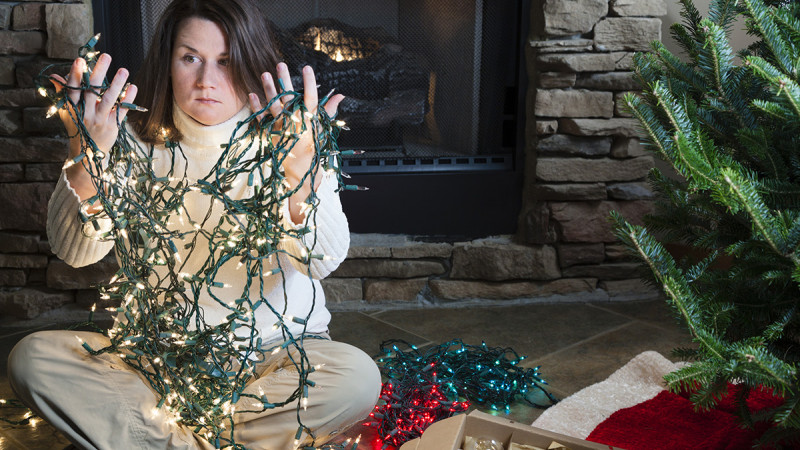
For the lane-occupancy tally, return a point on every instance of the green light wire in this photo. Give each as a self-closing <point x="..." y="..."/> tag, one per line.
<point x="199" y="371"/>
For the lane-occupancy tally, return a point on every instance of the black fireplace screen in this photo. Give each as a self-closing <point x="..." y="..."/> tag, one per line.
<point x="434" y="92"/>
<point x="430" y="84"/>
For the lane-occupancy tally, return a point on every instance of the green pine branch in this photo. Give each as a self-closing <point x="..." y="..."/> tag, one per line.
<point x="764" y="25"/>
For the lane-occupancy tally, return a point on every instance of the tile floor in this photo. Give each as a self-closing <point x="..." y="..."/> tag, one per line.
<point x="576" y="344"/>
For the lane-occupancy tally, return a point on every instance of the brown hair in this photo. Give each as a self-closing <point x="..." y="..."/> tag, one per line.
<point x="251" y="52"/>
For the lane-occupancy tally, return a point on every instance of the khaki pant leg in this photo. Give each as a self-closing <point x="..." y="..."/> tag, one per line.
<point x="345" y="391"/>
<point x="98" y="402"/>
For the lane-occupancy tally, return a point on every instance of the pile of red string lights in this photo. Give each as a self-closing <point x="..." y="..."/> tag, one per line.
<point x="425" y="387"/>
<point x="403" y="417"/>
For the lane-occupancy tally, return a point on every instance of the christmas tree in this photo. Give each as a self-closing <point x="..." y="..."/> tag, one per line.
<point x="729" y="124"/>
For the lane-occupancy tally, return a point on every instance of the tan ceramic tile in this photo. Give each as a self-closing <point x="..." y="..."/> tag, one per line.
<point x="366" y="332"/>
<point x="594" y="360"/>
<point x="656" y="312"/>
<point x="22" y="437"/>
<point x="26" y="437"/>
<point x="576" y="344"/>
<point x="531" y="330"/>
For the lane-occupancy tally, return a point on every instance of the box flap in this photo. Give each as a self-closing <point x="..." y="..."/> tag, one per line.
<point x="439" y="435"/>
<point x="543" y="438"/>
<point x="449" y="434"/>
<point x="410" y="445"/>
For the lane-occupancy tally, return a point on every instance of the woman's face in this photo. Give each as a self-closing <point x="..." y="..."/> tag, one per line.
<point x="201" y="82"/>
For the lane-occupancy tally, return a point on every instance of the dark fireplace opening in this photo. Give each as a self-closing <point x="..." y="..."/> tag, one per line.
<point x="386" y="86"/>
<point x="431" y="85"/>
<point x="434" y="92"/>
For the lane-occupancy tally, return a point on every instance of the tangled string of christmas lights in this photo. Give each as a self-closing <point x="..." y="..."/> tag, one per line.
<point x="199" y="370"/>
<point x="425" y="386"/>
<point x="28" y="417"/>
<point x="408" y="410"/>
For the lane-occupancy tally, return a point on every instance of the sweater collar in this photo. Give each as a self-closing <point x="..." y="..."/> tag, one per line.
<point x="198" y="135"/>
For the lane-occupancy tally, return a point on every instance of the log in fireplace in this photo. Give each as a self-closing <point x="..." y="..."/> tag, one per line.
<point x="435" y="99"/>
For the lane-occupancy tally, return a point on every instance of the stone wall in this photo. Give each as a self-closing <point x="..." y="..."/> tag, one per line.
<point x="32" y="148"/>
<point x="582" y="161"/>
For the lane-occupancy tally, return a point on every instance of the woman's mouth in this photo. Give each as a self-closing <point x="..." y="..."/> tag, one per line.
<point x="206" y="100"/>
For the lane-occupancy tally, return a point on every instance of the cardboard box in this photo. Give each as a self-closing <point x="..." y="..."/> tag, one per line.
<point x="448" y="434"/>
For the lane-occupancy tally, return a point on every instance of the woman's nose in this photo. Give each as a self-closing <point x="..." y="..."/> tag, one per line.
<point x="206" y="76"/>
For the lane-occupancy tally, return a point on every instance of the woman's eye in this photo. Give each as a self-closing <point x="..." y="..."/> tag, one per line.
<point x="190" y="58"/>
<point x="224" y="62"/>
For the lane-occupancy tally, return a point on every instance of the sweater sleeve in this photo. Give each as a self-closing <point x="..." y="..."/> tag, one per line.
<point x="70" y="239"/>
<point x="329" y="235"/>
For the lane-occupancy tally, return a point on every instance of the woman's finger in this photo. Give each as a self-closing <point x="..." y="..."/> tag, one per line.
<point x="72" y="80"/>
<point x="129" y="96"/>
<point x="270" y="91"/>
<point x="113" y="92"/>
<point x="332" y="105"/>
<point x="310" y="96"/>
<point x="255" y="104"/>
<point x="95" y="79"/>
<point x="58" y="81"/>
<point x="286" y="79"/>
<point x="66" y="113"/>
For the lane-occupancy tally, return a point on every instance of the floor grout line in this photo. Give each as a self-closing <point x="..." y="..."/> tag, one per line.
<point x="427" y="341"/>
<point x="616" y="313"/>
<point x="647" y="322"/>
<point x="7" y="440"/>
<point x="535" y="362"/>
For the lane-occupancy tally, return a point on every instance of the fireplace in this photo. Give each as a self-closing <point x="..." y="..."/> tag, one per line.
<point x="434" y="92"/>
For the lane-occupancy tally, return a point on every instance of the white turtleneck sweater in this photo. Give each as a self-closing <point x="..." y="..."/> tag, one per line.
<point x="296" y="294"/>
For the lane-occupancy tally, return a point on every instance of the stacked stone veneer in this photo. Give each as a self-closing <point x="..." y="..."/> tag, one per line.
<point x="32" y="148"/>
<point x="582" y="160"/>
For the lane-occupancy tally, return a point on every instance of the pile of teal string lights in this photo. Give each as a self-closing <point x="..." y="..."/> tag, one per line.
<point x="199" y="370"/>
<point x="425" y="386"/>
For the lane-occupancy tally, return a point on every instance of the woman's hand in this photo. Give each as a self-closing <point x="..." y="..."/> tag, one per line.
<point x="300" y="159"/>
<point x="99" y="116"/>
